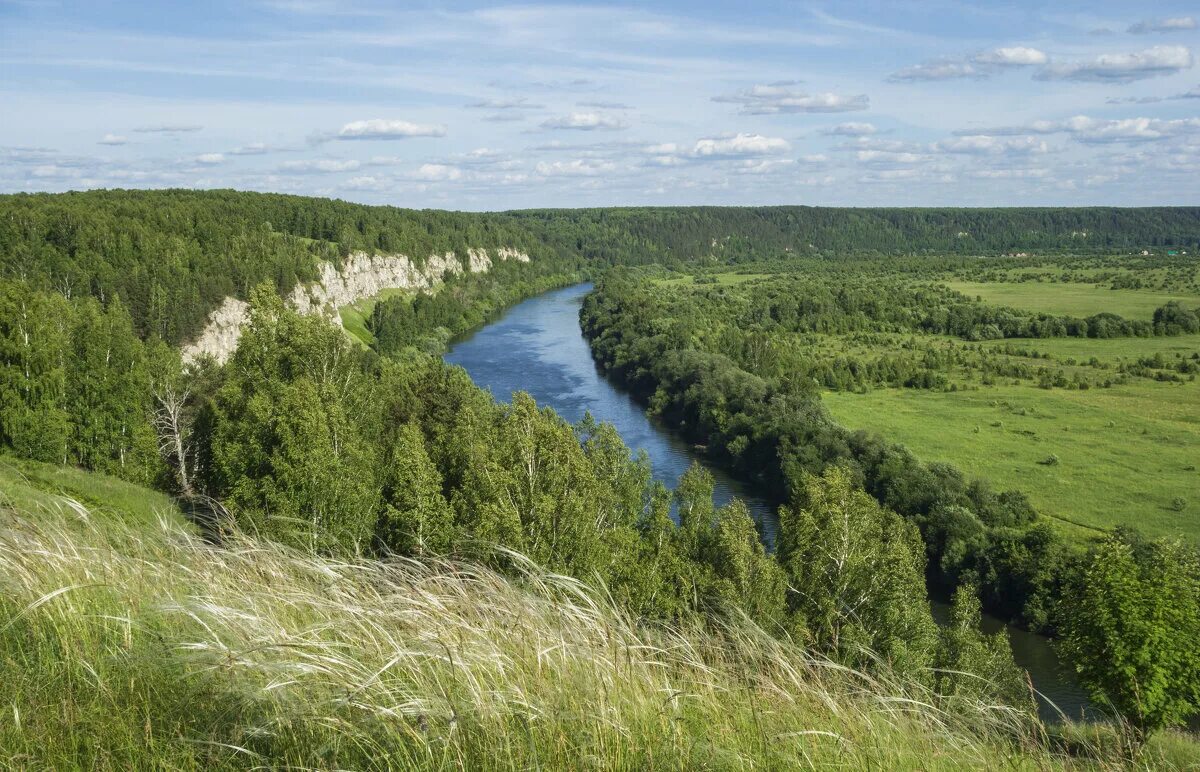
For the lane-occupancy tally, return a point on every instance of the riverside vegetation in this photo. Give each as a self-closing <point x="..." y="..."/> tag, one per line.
<point x="372" y="526"/>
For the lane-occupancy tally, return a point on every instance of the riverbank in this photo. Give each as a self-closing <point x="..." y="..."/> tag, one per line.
<point x="537" y="346"/>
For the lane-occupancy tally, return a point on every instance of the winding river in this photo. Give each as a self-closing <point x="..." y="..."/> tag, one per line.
<point x="537" y="347"/>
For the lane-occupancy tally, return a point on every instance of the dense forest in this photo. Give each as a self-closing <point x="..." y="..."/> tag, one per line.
<point x="172" y="255"/>
<point x="310" y="440"/>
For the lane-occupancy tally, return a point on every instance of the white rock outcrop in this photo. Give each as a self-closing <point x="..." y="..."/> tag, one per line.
<point x="361" y="276"/>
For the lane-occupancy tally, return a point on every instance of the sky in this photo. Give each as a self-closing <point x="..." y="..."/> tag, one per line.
<point x="485" y="107"/>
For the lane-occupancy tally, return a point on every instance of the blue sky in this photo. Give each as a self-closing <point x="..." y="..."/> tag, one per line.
<point x="470" y="106"/>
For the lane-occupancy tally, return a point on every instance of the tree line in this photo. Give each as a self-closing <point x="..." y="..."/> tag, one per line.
<point x="775" y="432"/>
<point x="173" y="255"/>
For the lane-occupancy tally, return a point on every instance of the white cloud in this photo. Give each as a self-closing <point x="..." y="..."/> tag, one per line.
<point x="946" y="70"/>
<point x="578" y="167"/>
<point x="1130" y="129"/>
<point x="1191" y="94"/>
<point x="1016" y="56"/>
<point x="1122" y="68"/>
<point x="776" y="98"/>
<point x="210" y="159"/>
<point x="368" y="183"/>
<point x="380" y="128"/>
<point x="1009" y="174"/>
<point x="585" y="121"/>
<point x="983" y="144"/>
<point x="438" y="173"/>
<point x="739" y="146"/>
<point x="113" y="139"/>
<point x="320" y="166"/>
<point x="763" y="166"/>
<point x="888" y="158"/>
<point x="852" y="129"/>
<point x="1176" y="24"/>
<point x="1096" y="130"/>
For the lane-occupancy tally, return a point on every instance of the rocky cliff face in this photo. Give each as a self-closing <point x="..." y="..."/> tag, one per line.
<point x="360" y="276"/>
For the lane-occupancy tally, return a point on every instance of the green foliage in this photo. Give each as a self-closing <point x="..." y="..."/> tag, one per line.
<point x="857" y="573"/>
<point x="74" y="384"/>
<point x="974" y="665"/>
<point x="416" y="518"/>
<point x="289" y="450"/>
<point x="1130" y="622"/>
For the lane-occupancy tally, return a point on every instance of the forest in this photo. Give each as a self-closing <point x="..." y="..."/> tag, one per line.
<point x="730" y="324"/>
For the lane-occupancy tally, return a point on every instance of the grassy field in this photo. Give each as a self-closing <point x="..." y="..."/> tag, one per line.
<point x="726" y="279"/>
<point x="1071" y="299"/>
<point x="136" y="645"/>
<point x="1124" y="454"/>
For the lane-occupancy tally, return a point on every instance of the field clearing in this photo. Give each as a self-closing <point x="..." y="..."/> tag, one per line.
<point x="354" y="316"/>
<point x="1072" y="299"/>
<point x="1108" y="350"/>
<point x="1124" y="453"/>
<point x="722" y="279"/>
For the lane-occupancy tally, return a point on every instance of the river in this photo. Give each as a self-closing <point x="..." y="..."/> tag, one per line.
<point x="538" y="347"/>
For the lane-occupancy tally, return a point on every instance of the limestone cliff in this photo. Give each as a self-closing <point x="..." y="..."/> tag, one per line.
<point x="360" y="276"/>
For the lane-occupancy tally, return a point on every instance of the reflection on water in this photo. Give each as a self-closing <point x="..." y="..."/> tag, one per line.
<point x="537" y="347"/>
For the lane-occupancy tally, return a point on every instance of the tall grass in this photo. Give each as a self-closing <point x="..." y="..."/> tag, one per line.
<point x="127" y="646"/>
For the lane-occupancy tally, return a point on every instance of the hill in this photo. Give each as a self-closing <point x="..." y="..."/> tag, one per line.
<point x="128" y="642"/>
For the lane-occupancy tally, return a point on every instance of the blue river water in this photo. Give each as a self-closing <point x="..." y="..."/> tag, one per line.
<point x="537" y="347"/>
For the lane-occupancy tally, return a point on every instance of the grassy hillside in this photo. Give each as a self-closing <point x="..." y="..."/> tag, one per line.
<point x="130" y="643"/>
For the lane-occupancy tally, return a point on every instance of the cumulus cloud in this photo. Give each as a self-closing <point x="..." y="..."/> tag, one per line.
<point x="740" y="146"/>
<point x="585" y="121"/>
<point x="438" y="173"/>
<point x="169" y="128"/>
<point x="578" y="167"/>
<point x="984" y="144"/>
<point x="936" y="71"/>
<point x="210" y="159"/>
<point x="1009" y="174"/>
<point x="852" y="129"/>
<point x="1016" y="56"/>
<point x="380" y="128"/>
<point x="888" y="158"/>
<point x="1176" y="24"/>
<point x="1122" y="68"/>
<point x="763" y="166"/>
<point x="367" y="183"/>
<point x="776" y="98"/>
<point x="319" y="166"/>
<point x="113" y="139"/>
<point x="981" y="65"/>
<point x="1096" y="130"/>
<point x="1130" y="129"/>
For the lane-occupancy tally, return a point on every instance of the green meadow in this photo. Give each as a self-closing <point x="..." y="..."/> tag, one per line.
<point x="1070" y="298"/>
<point x="1125" y="454"/>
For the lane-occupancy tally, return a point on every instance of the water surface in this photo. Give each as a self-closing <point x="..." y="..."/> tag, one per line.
<point x="537" y="346"/>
